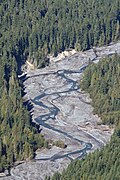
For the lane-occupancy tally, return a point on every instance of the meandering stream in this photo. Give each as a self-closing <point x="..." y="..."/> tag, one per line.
<point x="53" y="111"/>
<point x="70" y="86"/>
<point x="63" y="112"/>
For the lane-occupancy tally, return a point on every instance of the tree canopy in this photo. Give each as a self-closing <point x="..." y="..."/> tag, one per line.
<point x="32" y="29"/>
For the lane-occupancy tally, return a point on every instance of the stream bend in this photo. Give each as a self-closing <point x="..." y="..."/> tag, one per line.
<point x="53" y="111"/>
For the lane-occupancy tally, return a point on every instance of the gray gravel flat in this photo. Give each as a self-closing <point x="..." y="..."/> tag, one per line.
<point x="64" y="113"/>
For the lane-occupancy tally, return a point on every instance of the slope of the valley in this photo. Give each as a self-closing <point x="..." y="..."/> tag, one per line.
<point x="63" y="113"/>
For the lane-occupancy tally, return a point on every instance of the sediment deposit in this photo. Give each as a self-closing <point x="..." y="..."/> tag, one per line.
<point x="64" y="113"/>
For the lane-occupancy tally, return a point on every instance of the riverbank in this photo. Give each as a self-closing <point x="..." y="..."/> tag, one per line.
<point x="64" y="113"/>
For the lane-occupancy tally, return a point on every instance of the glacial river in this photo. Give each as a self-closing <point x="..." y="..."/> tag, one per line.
<point x="71" y="86"/>
<point x="53" y="111"/>
<point x="63" y="112"/>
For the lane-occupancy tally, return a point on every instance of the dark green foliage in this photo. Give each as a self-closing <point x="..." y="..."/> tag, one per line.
<point x="18" y="138"/>
<point x="102" y="81"/>
<point x="102" y="164"/>
<point x="30" y="29"/>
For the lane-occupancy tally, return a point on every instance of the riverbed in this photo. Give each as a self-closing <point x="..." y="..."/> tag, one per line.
<point x="64" y="113"/>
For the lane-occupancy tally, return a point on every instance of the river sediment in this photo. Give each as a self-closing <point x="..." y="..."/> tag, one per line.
<point x="64" y="113"/>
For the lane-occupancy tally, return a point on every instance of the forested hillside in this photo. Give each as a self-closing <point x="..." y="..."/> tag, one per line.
<point x="30" y="29"/>
<point x="102" y="81"/>
<point x="33" y="28"/>
<point x="18" y="138"/>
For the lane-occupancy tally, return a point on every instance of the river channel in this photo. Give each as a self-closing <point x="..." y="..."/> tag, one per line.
<point x="63" y="112"/>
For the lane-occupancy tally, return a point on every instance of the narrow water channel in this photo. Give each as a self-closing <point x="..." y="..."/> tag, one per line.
<point x="53" y="111"/>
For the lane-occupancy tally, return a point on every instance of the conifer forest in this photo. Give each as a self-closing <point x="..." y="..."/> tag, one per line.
<point x="33" y="29"/>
